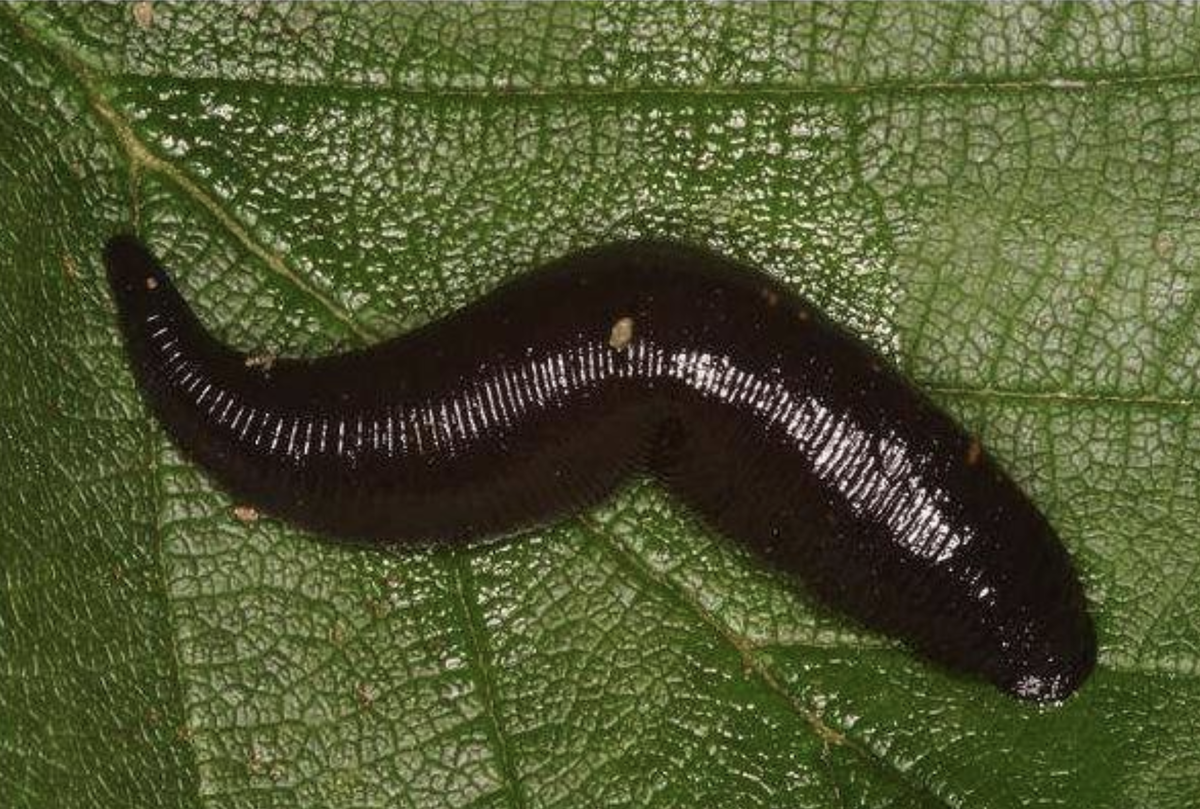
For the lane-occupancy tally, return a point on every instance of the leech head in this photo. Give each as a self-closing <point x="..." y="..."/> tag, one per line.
<point x="131" y="269"/>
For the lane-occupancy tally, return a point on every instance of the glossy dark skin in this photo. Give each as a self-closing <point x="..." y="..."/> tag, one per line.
<point x="782" y="430"/>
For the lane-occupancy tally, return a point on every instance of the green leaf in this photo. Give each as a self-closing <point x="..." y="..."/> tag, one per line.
<point x="1002" y="197"/>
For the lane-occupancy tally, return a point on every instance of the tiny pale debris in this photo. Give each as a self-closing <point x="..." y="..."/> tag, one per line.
<point x="265" y="360"/>
<point x="245" y="513"/>
<point x="622" y="334"/>
<point x="143" y="13"/>
<point x="1164" y="245"/>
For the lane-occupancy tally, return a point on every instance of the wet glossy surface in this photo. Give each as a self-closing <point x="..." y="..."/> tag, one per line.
<point x="783" y="431"/>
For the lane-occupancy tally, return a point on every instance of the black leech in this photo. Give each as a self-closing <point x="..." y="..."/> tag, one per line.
<point x="783" y="431"/>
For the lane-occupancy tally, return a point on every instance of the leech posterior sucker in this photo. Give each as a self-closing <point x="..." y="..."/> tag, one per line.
<point x="783" y="431"/>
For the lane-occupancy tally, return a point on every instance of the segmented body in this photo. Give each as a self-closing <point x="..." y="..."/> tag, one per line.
<point x="782" y="430"/>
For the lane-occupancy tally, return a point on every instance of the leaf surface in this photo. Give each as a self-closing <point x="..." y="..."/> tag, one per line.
<point x="1002" y="198"/>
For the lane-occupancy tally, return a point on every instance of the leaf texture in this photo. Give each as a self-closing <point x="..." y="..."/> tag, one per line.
<point x="1001" y="197"/>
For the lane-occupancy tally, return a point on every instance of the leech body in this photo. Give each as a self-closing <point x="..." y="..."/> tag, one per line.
<point x="783" y="431"/>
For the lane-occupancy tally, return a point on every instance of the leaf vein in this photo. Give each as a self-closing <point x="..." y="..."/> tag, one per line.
<point x="480" y="661"/>
<point x="142" y="158"/>
<point x="746" y="650"/>
<point x="1076" y="83"/>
